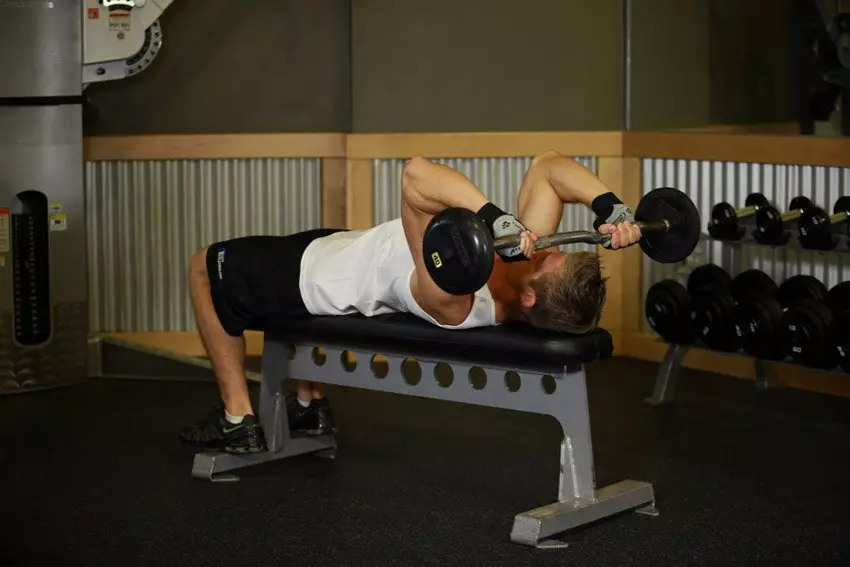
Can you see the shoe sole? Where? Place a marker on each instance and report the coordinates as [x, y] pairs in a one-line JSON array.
[[318, 431], [244, 450], [235, 450]]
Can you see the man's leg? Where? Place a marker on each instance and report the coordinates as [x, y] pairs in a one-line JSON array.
[[226, 352], [233, 426], [305, 391]]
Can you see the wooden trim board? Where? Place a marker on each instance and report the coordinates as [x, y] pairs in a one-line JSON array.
[[482, 144], [186, 343], [755, 148], [359, 194], [334, 171], [748, 148], [214, 146]]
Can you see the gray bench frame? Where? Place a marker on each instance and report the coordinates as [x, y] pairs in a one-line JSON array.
[[579, 501]]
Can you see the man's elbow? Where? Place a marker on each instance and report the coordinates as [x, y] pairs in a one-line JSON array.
[[547, 157], [414, 168], [410, 177]]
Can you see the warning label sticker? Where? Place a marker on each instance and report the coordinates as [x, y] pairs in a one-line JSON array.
[[58, 222], [119, 22]]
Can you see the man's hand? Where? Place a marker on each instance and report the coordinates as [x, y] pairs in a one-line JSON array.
[[615, 218], [502, 224], [622, 234]]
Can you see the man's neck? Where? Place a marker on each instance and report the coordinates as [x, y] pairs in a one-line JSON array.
[[503, 288]]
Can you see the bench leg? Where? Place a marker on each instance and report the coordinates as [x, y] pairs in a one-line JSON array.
[[579, 502], [668, 374], [212, 465]]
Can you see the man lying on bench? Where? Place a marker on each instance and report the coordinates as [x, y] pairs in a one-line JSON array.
[[241, 284]]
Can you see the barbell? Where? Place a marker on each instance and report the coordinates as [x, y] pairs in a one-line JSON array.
[[459, 250]]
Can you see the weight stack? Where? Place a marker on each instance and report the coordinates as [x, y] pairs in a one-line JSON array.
[[43, 284]]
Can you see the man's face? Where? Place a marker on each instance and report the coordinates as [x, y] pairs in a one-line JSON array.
[[551, 260], [545, 262]]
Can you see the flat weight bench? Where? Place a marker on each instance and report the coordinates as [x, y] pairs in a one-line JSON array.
[[551, 382]]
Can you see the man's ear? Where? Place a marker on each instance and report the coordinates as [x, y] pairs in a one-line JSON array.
[[528, 297]]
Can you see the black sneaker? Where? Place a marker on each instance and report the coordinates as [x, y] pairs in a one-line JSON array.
[[315, 419], [324, 416], [215, 433]]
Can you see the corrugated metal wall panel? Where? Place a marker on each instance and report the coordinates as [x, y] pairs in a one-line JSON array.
[[709, 182], [499, 178], [146, 218]]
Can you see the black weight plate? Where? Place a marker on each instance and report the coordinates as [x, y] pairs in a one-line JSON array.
[[769, 226], [800, 287], [807, 327], [753, 282], [757, 323], [724, 223], [708, 275], [841, 339], [679, 241], [838, 298], [756, 200], [842, 205], [458, 251], [799, 203], [666, 308], [814, 230], [711, 314]]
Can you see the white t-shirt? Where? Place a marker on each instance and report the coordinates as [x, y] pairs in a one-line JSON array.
[[369, 272]]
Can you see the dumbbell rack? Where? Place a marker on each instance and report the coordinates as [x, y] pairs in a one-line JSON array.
[[671, 365], [668, 373]]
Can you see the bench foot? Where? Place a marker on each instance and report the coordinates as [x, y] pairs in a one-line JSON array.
[[211, 465], [651, 511], [535, 527], [326, 453]]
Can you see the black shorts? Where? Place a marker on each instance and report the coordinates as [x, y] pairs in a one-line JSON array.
[[256, 278]]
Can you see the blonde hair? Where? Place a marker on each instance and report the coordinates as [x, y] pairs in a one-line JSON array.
[[570, 299]]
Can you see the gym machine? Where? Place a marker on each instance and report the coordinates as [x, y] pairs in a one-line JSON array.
[[51, 52]]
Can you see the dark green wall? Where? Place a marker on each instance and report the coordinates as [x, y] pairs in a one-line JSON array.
[[471, 65], [751, 62], [669, 64], [286, 66], [449, 65], [280, 66], [719, 62]]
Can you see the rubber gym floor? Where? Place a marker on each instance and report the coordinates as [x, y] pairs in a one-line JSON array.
[[93, 476]]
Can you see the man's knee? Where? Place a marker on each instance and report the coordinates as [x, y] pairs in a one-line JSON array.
[[198, 266]]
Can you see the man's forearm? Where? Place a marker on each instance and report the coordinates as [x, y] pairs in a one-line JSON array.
[[431, 188]]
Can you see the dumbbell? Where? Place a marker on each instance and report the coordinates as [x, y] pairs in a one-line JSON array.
[[816, 227], [667, 307], [807, 321], [725, 218], [771, 225], [710, 310], [762, 319], [838, 301]]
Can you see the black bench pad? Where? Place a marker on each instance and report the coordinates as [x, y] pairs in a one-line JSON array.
[[401, 333]]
